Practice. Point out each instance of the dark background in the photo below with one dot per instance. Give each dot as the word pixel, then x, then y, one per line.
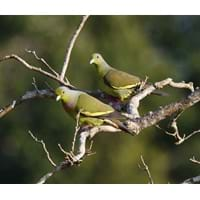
pixel 156 46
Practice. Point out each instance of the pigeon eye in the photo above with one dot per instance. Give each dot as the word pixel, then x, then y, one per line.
pixel 97 57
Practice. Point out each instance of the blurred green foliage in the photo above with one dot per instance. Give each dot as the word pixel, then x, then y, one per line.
pixel 156 46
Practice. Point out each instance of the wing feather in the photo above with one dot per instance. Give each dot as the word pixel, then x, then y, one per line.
pixel 92 107
pixel 121 80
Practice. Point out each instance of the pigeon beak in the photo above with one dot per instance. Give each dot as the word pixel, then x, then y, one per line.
pixel 58 98
pixel 91 61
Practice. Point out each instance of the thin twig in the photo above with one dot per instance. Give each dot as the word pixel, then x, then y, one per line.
pixel 77 128
pixel 71 160
pixel 62 150
pixel 188 136
pixel 62 165
pixel 71 45
pixel 194 160
pixel 44 147
pixel 176 133
pixel 35 85
pixel 33 68
pixel 146 168
pixel 43 61
pixel 89 150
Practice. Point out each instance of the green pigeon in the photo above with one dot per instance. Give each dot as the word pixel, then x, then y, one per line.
pixel 115 82
pixel 92 111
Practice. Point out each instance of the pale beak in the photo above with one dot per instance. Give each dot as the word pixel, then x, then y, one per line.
pixel 58 98
pixel 91 61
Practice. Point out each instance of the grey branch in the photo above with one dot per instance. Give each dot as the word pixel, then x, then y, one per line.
pixel 162 113
pixel 134 103
pixel 193 180
pixel 74 160
pixel 71 45
pixel 70 160
pixel 46 93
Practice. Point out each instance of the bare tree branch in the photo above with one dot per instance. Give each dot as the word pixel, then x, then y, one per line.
pixel 162 113
pixel 71 45
pixel 74 160
pixel 146 169
pixel 194 160
pixel 188 136
pixel 179 139
pixel 134 103
pixel 43 146
pixel 26 97
pixel 71 160
pixel 77 127
pixel 36 69
pixel 43 61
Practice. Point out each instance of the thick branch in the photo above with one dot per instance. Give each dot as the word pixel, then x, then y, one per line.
pixel 71 45
pixel 134 103
pixel 153 118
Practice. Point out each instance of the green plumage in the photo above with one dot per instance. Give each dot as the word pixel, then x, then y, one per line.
pixel 92 107
pixel 89 107
pixel 114 82
pixel 120 80
pixel 92 111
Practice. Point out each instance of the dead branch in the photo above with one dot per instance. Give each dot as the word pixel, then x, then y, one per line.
pixel 176 134
pixel 77 127
pixel 62 150
pixel 43 61
pixel 194 160
pixel 162 113
pixel 134 103
pixel 29 95
pixel 33 68
pixel 70 159
pixel 44 147
pixel 70 47
pixel 75 160
pixel 146 169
